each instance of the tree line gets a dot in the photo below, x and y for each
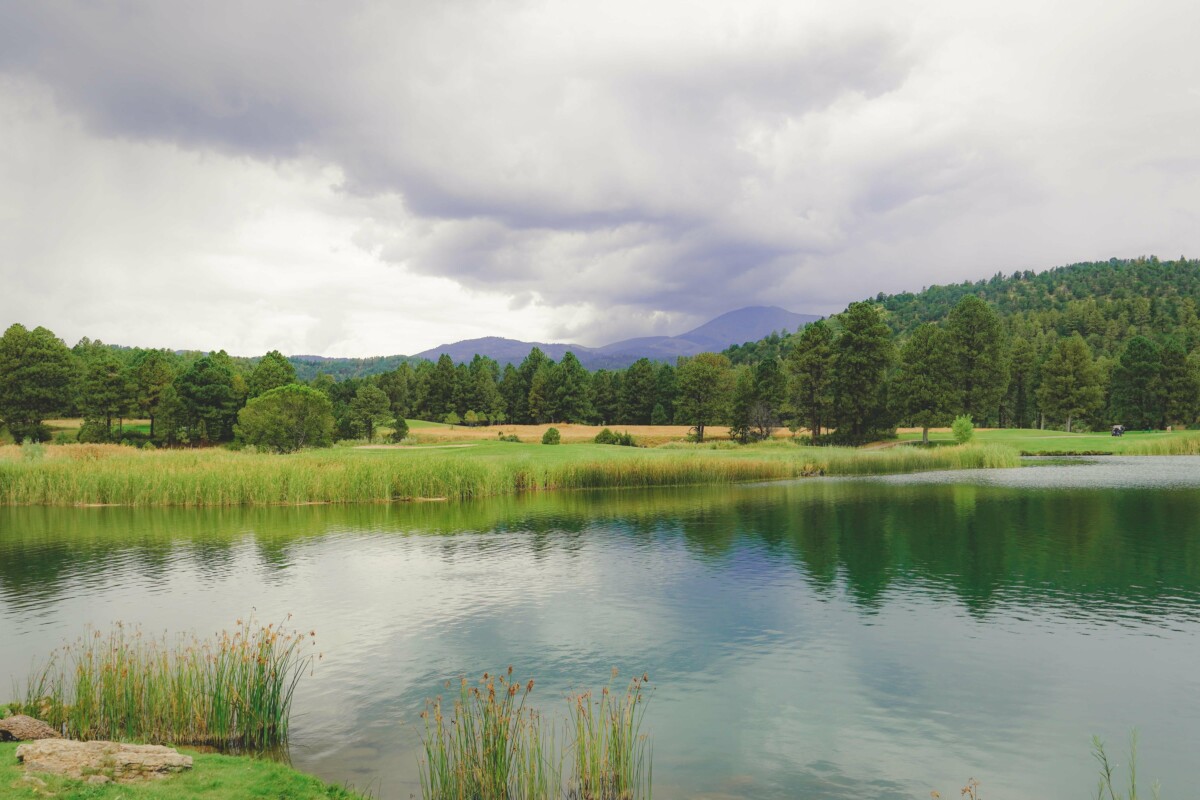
(1054, 359)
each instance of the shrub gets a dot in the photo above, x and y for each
(605, 437)
(510, 437)
(287, 418)
(962, 428)
(93, 431)
(399, 430)
(551, 436)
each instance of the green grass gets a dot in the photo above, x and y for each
(110, 475)
(212, 777)
(231, 690)
(1041, 442)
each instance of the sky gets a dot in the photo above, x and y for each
(360, 178)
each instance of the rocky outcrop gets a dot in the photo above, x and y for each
(100, 762)
(25, 729)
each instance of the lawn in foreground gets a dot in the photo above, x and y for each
(213, 777)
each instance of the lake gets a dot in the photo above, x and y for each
(832, 638)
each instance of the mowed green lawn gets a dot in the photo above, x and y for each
(1030, 440)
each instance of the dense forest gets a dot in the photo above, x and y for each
(1078, 347)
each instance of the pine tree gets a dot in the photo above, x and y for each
(572, 402)
(862, 355)
(1135, 393)
(1070, 384)
(810, 376)
(705, 383)
(979, 357)
(1179, 389)
(923, 390)
(271, 371)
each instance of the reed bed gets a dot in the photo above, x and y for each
(232, 691)
(111, 475)
(495, 746)
(1187, 445)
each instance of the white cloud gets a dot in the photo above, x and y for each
(370, 177)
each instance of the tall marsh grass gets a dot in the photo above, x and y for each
(495, 746)
(1187, 445)
(233, 690)
(112, 475)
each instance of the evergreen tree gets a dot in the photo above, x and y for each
(810, 376)
(979, 362)
(1070, 385)
(639, 387)
(108, 391)
(153, 372)
(1135, 395)
(1019, 401)
(1178, 386)
(540, 404)
(606, 395)
(705, 383)
(271, 371)
(511, 392)
(571, 400)
(770, 394)
(660, 416)
(741, 404)
(862, 355)
(395, 385)
(36, 371)
(369, 409)
(923, 391)
(521, 414)
(208, 401)
(666, 387)
(442, 388)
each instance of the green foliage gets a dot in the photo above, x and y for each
(923, 392)
(108, 391)
(1135, 391)
(638, 390)
(572, 402)
(962, 429)
(233, 689)
(660, 416)
(1070, 383)
(607, 436)
(271, 371)
(705, 384)
(208, 401)
(861, 358)
(977, 362)
(287, 418)
(399, 429)
(36, 370)
(368, 410)
(551, 436)
(810, 376)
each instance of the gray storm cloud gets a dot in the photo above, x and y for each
(648, 159)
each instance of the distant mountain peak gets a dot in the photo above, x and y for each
(734, 327)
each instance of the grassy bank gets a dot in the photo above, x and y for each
(213, 777)
(113, 475)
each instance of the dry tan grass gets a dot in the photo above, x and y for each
(644, 434)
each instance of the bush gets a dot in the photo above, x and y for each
(551, 436)
(287, 418)
(399, 430)
(963, 429)
(511, 437)
(606, 436)
(93, 431)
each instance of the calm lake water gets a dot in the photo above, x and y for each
(826, 638)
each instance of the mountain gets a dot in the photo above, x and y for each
(735, 327)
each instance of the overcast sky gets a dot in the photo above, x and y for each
(357, 178)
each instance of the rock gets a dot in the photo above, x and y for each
(25, 729)
(124, 763)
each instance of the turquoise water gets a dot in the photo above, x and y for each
(825, 638)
